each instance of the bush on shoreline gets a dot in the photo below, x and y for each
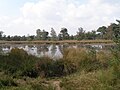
(18, 64)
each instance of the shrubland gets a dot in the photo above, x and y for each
(79, 69)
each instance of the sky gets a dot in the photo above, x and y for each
(23, 17)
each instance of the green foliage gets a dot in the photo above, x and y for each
(42, 35)
(91, 35)
(63, 34)
(6, 81)
(53, 34)
(42, 66)
(18, 54)
(102, 30)
(116, 34)
(115, 63)
(18, 62)
(49, 68)
(1, 32)
(79, 69)
(80, 34)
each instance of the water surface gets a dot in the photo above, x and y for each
(54, 51)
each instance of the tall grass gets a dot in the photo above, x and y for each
(18, 62)
(87, 60)
(79, 69)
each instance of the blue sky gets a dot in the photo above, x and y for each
(22, 17)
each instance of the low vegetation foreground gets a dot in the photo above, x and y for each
(79, 69)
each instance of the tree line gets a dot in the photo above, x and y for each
(103, 32)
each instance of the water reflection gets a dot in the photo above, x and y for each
(1, 50)
(53, 51)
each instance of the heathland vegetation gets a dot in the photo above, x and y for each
(79, 69)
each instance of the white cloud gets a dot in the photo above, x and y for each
(4, 22)
(63, 13)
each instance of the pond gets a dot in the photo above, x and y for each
(53, 51)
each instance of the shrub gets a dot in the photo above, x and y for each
(104, 56)
(50, 68)
(7, 81)
(30, 73)
(83, 59)
(17, 53)
(69, 67)
(42, 66)
(18, 63)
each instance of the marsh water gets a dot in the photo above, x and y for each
(54, 51)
